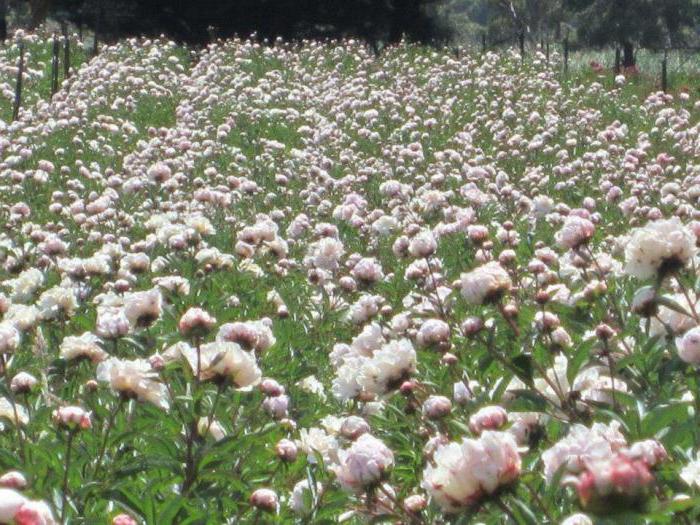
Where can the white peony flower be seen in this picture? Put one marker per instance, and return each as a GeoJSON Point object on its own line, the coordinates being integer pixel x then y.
{"type": "Point", "coordinates": [224, 361]}
{"type": "Point", "coordinates": [85, 346]}
{"type": "Point", "coordinates": [485, 283]}
{"type": "Point", "coordinates": [658, 248]}
{"type": "Point", "coordinates": [134, 379]}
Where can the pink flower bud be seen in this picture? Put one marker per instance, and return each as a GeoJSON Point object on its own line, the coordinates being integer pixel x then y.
{"type": "Point", "coordinates": [196, 321]}
{"type": "Point", "coordinates": [265, 500]}
{"type": "Point", "coordinates": [271, 388]}
{"type": "Point", "coordinates": [353, 427]}
{"type": "Point", "coordinates": [415, 504]}
{"type": "Point", "coordinates": [286, 450]}
{"type": "Point", "coordinates": [13, 480]}
{"type": "Point", "coordinates": [488, 418]}
{"type": "Point", "coordinates": [123, 519]}
{"type": "Point", "coordinates": [436, 407]}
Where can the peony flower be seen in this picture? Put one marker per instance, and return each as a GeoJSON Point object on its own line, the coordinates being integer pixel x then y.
{"type": "Point", "coordinates": [142, 309]}
{"type": "Point", "coordinates": [23, 382]}
{"type": "Point", "coordinates": [485, 284]}
{"type": "Point", "coordinates": [211, 427]}
{"type": "Point", "coordinates": [72, 417]}
{"type": "Point", "coordinates": [9, 337]}
{"type": "Point", "coordinates": [433, 332]}
{"type": "Point", "coordinates": [317, 441]}
{"type": "Point", "coordinates": [112, 322]}
{"type": "Point", "coordinates": [286, 450]}
{"type": "Point", "coordinates": [577, 519]}
{"type": "Point", "coordinates": [84, 346]}
{"type": "Point", "coordinates": [688, 346]}
{"type": "Point", "coordinates": [265, 499]}
{"type": "Point", "coordinates": [613, 482]}
{"type": "Point", "coordinates": [436, 407]}
{"type": "Point", "coordinates": [464, 473]}
{"type": "Point", "coordinates": [34, 513]}
{"type": "Point", "coordinates": [17, 414]}
{"type": "Point", "coordinates": [423, 244]}
{"type": "Point", "coordinates": [364, 464]}
{"type": "Point", "coordinates": [13, 480]}
{"type": "Point", "coordinates": [575, 232]}
{"type": "Point", "coordinates": [123, 519]}
{"type": "Point", "coordinates": [367, 270]}
{"type": "Point", "coordinates": [134, 380]}
{"type": "Point", "coordinates": [690, 474]}
{"type": "Point", "coordinates": [581, 446]}
{"type": "Point", "coordinates": [301, 498]}
{"type": "Point", "coordinates": [196, 321]}
{"type": "Point", "coordinates": [224, 361]}
{"type": "Point", "coordinates": [251, 335]}
{"type": "Point", "coordinates": [10, 503]}
{"type": "Point", "coordinates": [659, 248]}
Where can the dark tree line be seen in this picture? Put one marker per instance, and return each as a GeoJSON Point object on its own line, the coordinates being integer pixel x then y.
{"type": "Point", "coordinates": [626, 24]}
{"type": "Point", "coordinates": [194, 22]}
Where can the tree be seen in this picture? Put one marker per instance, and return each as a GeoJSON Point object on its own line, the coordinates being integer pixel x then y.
{"type": "Point", "coordinates": [39, 10]}
{"type": "Point", "coordinates": [3, 20]}
{"type": "Point", "coordinates": [633, 23]}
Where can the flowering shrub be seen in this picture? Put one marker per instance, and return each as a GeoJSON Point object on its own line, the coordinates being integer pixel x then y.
{"type": "Point", "coordinates": [303, 283]}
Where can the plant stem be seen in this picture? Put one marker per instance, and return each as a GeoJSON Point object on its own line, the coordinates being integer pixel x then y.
{"type": "Point", "coordinates": [108, 428]}
{"type": "Point", "coordinates": [64, 497]}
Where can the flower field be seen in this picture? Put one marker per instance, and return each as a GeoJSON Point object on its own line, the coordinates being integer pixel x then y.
{"type": "Point", "coordinates": [301, 284]}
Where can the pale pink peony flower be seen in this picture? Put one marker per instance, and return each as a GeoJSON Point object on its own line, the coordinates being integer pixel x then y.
{"type": "Point", "coordinates": [615, 481]}
{"type": "Point", "coordinates": [34, 513]}
{"type": "Point", "coordinates": [464, 473]}
{"type": "Point", "coordinates": [423, 244]}
{"type": "Point", "coordinates": [72, 417]}
{"type": "Point", "coordinates": [364, 464]}
{"type": "Point", "coordinates": [433, 332]}
{"type": "Point", "coordinates": [575, 232]}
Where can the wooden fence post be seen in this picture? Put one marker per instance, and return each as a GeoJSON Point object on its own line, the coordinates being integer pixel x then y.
{"type": "Point", "coordinates": [54, 65]}
{"type": "Point", "coordinates": [617, 61]}
{"type": "Point", "coordinates": [18, 87]}
{"type": "Point", "coordinates": [547, 50]}
{"type": "Point", "coordinates": [566, 55]}
{"type": "Point", "coordinates": [664, 72]}
{"type": "Point", "coordinates": [483, 42]}
{"type": "Point", "coordinates": [521, 40]}
{"type": "Point", "coordinates": [66, 56]}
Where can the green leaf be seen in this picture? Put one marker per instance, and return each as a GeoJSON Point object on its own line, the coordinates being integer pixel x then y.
{"type": "Point", "coordinates": [522, 366]}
